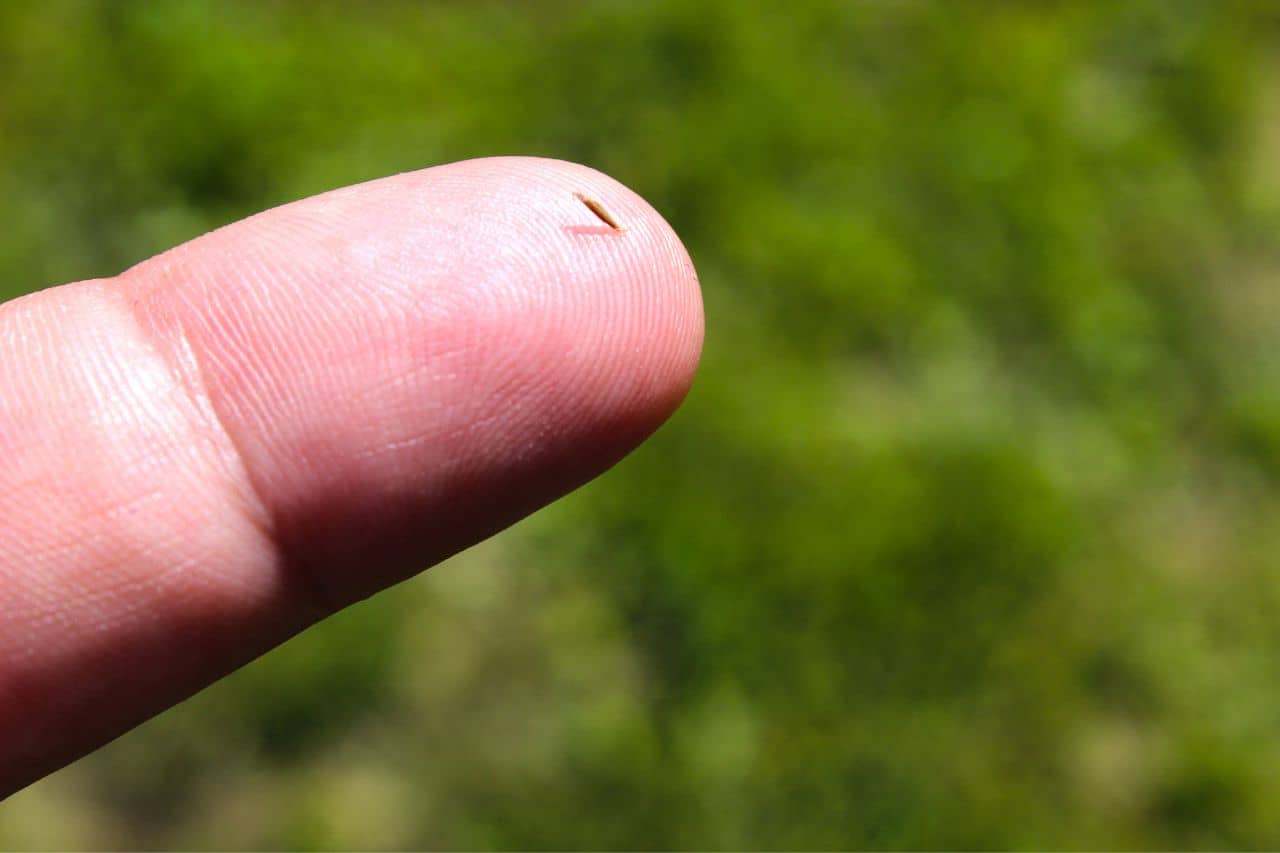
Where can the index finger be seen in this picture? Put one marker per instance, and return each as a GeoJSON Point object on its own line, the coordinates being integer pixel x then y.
{"type": "Point", "coordinates": [241, 435]}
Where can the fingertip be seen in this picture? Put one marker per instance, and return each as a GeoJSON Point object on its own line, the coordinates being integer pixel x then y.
{"type": "Point", "coordinates": [626, 280]}
{"type": "Point", "coordinates": [631, 286]}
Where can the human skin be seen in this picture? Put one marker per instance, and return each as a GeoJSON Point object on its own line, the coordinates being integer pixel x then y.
{"type": "Point", "coordinates": [232, 440]}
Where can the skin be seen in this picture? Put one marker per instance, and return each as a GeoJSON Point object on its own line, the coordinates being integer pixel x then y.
{"type": "Point", "coordinates": [232, 440]}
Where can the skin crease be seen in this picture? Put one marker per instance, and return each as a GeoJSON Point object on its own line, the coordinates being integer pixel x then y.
{"type": "Point", "coordinates": [229, 441]}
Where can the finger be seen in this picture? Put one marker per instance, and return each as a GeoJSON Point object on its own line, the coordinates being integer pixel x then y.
{"type": "Point", "coordinates": [223, 444]}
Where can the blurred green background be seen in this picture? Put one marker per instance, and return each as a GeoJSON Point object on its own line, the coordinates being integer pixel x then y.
{"type": "Point", "coordinates": [969, 533]}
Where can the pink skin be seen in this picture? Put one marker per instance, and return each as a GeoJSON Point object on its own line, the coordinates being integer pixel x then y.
{"type": "Point", "coordinates": [211, 451]}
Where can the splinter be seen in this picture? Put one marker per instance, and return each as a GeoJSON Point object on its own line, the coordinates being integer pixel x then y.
{"type": "Point", "coordinates": [598, 209]}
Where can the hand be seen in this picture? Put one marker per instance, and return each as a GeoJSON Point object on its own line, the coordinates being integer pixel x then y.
{"type": "Point", "coordinates": [232, 440]}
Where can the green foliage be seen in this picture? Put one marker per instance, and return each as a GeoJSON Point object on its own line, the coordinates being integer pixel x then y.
{"type": "Point", "coordinates": [968, 535]}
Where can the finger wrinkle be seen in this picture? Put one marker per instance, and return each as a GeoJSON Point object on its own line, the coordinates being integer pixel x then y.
{"type": "Point", "coordinates": [162, 329]}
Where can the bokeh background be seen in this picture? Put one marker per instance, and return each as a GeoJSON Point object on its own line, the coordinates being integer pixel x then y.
{"type": "Point", "coordinates": [968, 534]}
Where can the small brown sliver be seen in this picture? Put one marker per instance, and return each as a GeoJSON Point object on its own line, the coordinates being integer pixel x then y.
{"type": "Point", "coordinates": [598, 209]}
